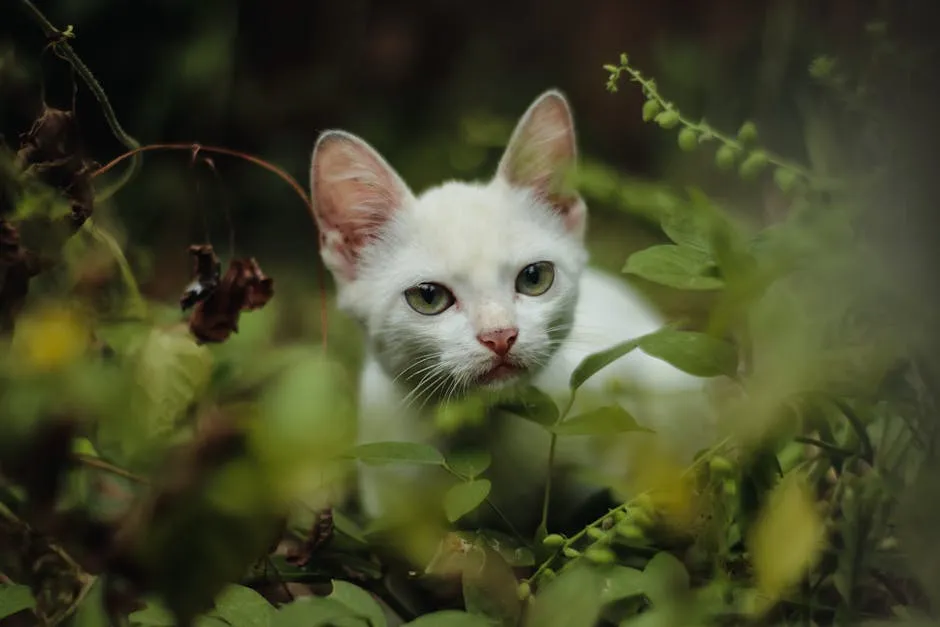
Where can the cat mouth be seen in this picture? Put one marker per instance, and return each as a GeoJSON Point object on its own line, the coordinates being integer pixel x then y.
{"type": "Point", "coordinates": [501, 372]}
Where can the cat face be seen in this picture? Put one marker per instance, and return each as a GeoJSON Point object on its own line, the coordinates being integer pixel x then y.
{"type": "Point", "coordinates": [467, 285]}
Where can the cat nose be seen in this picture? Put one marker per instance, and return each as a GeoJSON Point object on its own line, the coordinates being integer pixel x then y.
{"type": "Point", "coordinates": [499, 341]}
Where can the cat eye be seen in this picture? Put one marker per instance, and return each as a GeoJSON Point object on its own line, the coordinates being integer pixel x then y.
{"type": "Point", "coordinates": [536, 278]}
{"type": "Point", "coordinates": [429, 299]}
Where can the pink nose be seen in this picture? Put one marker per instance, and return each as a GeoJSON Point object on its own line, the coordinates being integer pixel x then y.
{"type": "Point", "coordinates": [499, 340]}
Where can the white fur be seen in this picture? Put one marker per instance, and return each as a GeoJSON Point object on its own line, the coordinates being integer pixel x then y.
{"type": "Point", "coordinates": [475, 238]}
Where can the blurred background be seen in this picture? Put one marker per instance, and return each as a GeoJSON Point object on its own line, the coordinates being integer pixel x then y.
{"type": "Point", "coordinates": [437, 85]}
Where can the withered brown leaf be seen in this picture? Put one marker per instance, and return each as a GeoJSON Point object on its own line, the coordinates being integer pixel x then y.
{"type": "Point", "coordinates": [218, 302]}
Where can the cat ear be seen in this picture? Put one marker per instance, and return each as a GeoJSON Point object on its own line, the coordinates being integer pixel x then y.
{"type": "Point", "coordinates": [354, 193]}
{"type": "Point", "coordinates": [541, 153]}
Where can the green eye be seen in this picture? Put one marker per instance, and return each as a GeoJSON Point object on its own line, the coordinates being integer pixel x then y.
{"type": "Point", "coordinates": [535, 279]}
{"type": "Point", "coordinates": [429, 299]}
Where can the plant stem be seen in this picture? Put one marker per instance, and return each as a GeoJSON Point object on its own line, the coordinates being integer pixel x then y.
{"type": "Point", "coordinates": [99, 464]}
{"type": "Point", "coordinates": [546, 499]}
{"type": "Point", "coordinates": [64, 50]}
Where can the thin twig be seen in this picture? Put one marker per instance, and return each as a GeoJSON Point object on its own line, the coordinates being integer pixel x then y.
{"type": "Point", "coordinates": [100, 464]}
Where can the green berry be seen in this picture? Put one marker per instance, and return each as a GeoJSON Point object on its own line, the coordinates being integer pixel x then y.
{"type": "Point", "coordinates": [595, 533]}
{"type": "Point", "coordinates": [650, 109]}
{"type": "Point", "coordinates": [785, 179]}
{"type": "Point", "coordinates": [600, 555]}
{"type": "Point", "coordinates": [667, 119]}
{"type": "Point", "coordinates": [725, 157]}
{"type": "Point", "coordinates": [553, 540]}
{"type": "Point", "coordinates": [718, 465]}
{"type": "Point", "coordinates": [688, 139]}
{"type": "Point", "coordinates": [524, 591]}
{"type": "Point", "coordinates": [753, 165]}
{"type": "Point", "coordinates": [571, 553]}
{"type": "Point", "coordinates": [747, 132]}
{"type": "Point", "coordinates": [629, 531]}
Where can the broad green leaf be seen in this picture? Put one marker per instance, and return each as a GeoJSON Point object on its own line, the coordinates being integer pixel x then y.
{"type": "Point", "coordinates": [490, 590]}
{"type": "Point", "coordinates": [170, 371]}
{"type": "Point", "coordinates": [609, 420]}
{"type": "Point", "coordinates": [358, 601]}
{"type": "Point", "coordinates": [316, 612]}
{"type": "Point", "coordinates": [665, 578]}
{"type": "Point", "coordinates": [397, 452]}
{"type": "Point", "coordinates": [674, 266]}
{"type": "Point", "coordinates": [571, 600]}
{"type": "Point", "coordinates": [91, 612]}
{"type": "Point", "coordinates": [465, 497]}
{"type": "Point", "coordinates": [509, 548]}
{"type": "Point", "coordinates": [243, 607]}
{"type": "Point", "coordinates": [532, 404]}
{"type": "Point", "coordinates": [15, 598]}
{"type": "Point", "coordinates": [597, 361]}
{"type": "Point", "coordinates": [155, 614]}
{"type": "Point", "coordinates": [470, 463]}
{"type": "Point", "coordinates": [696, 353]}
{"type": "Point", "coordinates": [449, 618]}
{"type": "Point", "coordinates": [621, 582]}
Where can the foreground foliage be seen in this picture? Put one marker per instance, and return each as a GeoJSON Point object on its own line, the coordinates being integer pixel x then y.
{"type": "Point", "coordinates": [158, 466]}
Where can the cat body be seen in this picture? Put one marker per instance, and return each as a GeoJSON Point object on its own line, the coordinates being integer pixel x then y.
{"type": "Point", "coordinates": [484, 286]}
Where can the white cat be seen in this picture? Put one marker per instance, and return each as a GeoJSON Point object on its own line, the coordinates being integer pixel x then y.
{"type": "Point", "coordinates": [482, 285]}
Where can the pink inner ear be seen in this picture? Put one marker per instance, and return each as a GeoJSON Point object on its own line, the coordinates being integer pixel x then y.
{"type": "Point", "coordinates": [541, 151]}
{"type": "Point", "coordinates": [355, 194]}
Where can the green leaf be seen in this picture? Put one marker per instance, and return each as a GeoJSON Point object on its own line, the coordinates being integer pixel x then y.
{"type": "Point", "coordinates": [15, 598]}
{"type": "Point", "coordinates": [358, 601]}
{"type": "Point", "coordinates": [449, 618]}
{"type": "Point", "coordinates": [595, 362]}
{"type": "Point", "coordinates": [491, 590]}
{"type": "Point", "coordinates": [533, 405]}
{"type": "Point", "coordinates": [508, 547]}
{"type": "Point", "coordinates": [698, 354]}
{"type": "Point", "coordinates": [347, 526]}
{"type": "Point", "coordinates": [155, 614]}
{"type": "Point", "coordinates": [170, 371]}
{"type": "Point", "coordinates": [621, 582]}
{"type": "Point", "coordinates": [609, 420]}
{"type": "Point", "coordinates": [397, 452]}
{"type": "Point", "coordinates": [469, 464]}
{"type": "Point", "coordinates": [243, 607]}
{"type": "Point", "coordinates": [666, 577]}
{"type": "Point", "coordinates": [316, 611]}
{"type": "Point", "coordinates": [91, 612]}
{"type": "Point", "coordinates": [573, 599]}
{"type": "Point", "coordinates": [463, 498]}
{"type": "Point", "coordinates": [680, 267]}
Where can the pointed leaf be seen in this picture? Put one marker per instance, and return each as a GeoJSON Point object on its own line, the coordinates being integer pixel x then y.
{"type": "Point", "coordinates": [490, 590]}
{"type": "Point", "coordinates": [449, 618]}
{"type": "Point", "coordinates": [397, 452]}
{"type": "Point", "coordinates": [680, 267]}
{"type": "Point", "coordinates": [621, 582]}
{"type": "Point", "coordinates": [463, 498]}
{"type": "Point", "coordinates": [315, 611]}
{"type": "Point", "coordinates": [571, 600]}
{"type": "Point", "coordinates": [698, 354]}
{"type": "Point", "coordinates": [532, 404]}
{"type": "Point", "coordinates": [243, 607]}
{"type": "Point", "coordinates": [665, 577]}
{"type": "Point", "coordinates": [359, 601]}
{"type": "Point", "coordinates": [15, 598]}
{"type": "Point", "coordinates": [609, 420]}
{"type": "Point", "coordinates": [593, 363]}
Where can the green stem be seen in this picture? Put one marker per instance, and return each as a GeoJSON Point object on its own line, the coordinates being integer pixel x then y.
{"type": "Point", "coordinates": [546, 499]}
{"type": "Point", "coordinates": [64, 50]}
{"type": "Point", "coordinates": [138, 306]}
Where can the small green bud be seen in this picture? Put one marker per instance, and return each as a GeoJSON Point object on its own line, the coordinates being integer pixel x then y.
{"type": "Point", "coordinates": [548, 574]}
{"type": "Point", "coordinates": [571, 553]}
{"type": "Point", "coordinates": [623, 58]}
{"type": "Point", "coordinates": [600, 555]}
{"type": "Point", "coordinates": [688, 139]}
{"type": "Point", "coordinates": [667, 119]}
{"type": "Point", "coordinates": [720, 466]}
{"type": "Point", "coordinates": [785, 179]}
{"type": "Point", "coordinates": [553, 540]}
{"type": "Point", "coordinates": [729, 487]}
{"type": "Point", "coordinates": [630, 532]}
{"type": "Point", "coordinates": [747, 132]}
{"type": "Point", "coordinates": [595, 533]}
{"type": "Point", "coordinates": [641, 517]}
{"type": "Point", "coordinates": [650, 109]}
{"type": "Point", "coordinates": [524, 591]}
{"type": "Point", "coordinates": [620, 515]}
{"type": "Point", "coordinates": [613, 69]}
{"type": "Point", "coordinates": [725, 157]}
{"type": "Point", "coordinates": [642, 501]}
{"type": "Point", "coordinates": [753, 165]}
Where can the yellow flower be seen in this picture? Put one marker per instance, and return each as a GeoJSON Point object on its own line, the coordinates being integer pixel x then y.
{"type": "Point", "coordinates": [50, 339]}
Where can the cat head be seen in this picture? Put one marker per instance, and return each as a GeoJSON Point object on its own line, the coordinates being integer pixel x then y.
{"type": "Point", "coordinates": [466, 285]}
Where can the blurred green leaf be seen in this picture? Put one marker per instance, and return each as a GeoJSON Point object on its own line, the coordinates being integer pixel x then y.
{"type": "Point", "coordinates": [15, 598]}
{"type": "Point", "coordinates": [609, 420]}
{"type": "Point", "coordinates": [243, 607]}
{"type": "Point", "coordinates": [665, 578]}
{"type": "Point", "coordinates": [448, 618]}
{"type": "Point", "coordinates": [573, 599]}
{"type": "Point", "coordinates": [397, 452]}
{"type": "Point", "coordinates": [358, 601]}
{"type": "Point", "coordinates": [470, 464]}
{"type": "Point", "coordinates": [316, 611]}
{"type": "Point", "coordinates": [155, 614]}
{"type": "Point", "coordinates": [593, 363]}
{"type": "Point", "coordinates": [674, 266]}
{"type": "Point", "coordinates": [508, 547]}
{"type": "Point", "coordinates": [465, 497]}
{"type": "Point", "coordinates": [490, 590]}
{"type": "Point", "coordinates": [532, 404]}
{"type": "Point", "coordinates": [91, 612]}
{"type": "Point", "coordinates": [698, 354]}
{"type": "Point", "coordinates": [621, 582]}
